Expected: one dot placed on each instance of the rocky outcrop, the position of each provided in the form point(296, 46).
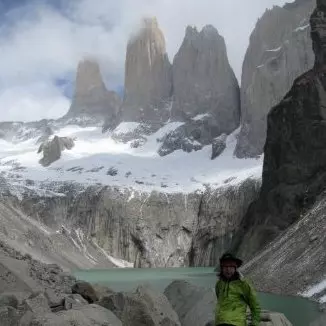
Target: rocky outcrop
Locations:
point(206, 93)
point(52, 149)
point(185, 297)
point(145, 306)
point(91, 97)
point(148, 76)
point(279, 51)
point(294, 173)
point(203, 80)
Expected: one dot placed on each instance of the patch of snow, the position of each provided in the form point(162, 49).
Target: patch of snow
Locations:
point(116, 261)
point(126, 127)
point(274, 50)
point(139, 169)
point(302, 28)
point(323, 299)
point(201, 116)
point(315, 289)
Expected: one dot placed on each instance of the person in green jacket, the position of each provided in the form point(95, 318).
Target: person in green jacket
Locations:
point(234, 295)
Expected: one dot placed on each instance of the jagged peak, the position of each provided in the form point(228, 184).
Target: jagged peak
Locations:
point(150, 23)
point(191, 32)
point(210, 31)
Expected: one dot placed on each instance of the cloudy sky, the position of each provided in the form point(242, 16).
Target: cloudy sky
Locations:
point(41, 42)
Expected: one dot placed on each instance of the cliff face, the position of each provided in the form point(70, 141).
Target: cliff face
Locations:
point(294, 173)
point(148, 76)
point(204, 82)
point(91, 98)
point(279, 51)
point(146, 229)
point(205, 92)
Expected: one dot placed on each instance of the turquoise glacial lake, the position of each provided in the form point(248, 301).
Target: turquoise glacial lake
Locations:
point(298, 310)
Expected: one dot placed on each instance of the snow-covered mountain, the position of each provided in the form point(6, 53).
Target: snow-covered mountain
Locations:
point(108, 159)
point(157, 184)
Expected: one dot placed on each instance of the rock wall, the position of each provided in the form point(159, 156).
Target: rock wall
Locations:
point(146, 229)
point(294, 171)
point(279, 51)
point(91, 97)
point(204, 82)
point(148, 76)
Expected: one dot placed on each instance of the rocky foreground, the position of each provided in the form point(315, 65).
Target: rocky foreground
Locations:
point(35, 294)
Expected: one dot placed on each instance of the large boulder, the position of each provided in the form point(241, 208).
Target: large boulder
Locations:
point(185, 299)
point(148, 75)
point(52, 149)
point(145, 306)
point(86, 290)
point(83, 316)
point(279, 51)
point(194, 305)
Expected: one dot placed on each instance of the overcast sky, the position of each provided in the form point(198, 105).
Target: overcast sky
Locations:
point(41, 43)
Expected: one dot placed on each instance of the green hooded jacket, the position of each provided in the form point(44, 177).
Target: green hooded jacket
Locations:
point(233, 298)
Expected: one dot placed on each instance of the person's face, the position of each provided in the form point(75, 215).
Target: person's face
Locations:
point(228, 269)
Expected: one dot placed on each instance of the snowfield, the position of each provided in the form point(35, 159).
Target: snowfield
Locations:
point(97, 158)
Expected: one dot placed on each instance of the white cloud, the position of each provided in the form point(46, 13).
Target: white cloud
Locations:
point(47, 47)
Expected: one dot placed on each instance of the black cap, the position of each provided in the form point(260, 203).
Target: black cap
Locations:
point(229, 256)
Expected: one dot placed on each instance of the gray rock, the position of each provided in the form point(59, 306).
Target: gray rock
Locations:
point(279, 51)
point(53, 298)
point(8, 316)
point(84, 316)
point(218, 146)
point(269, 318)
point(37, 304)
point(26, 319)
point(203, 312)
point(183, 297)
point(74, 301)
point(148, 76)
point(91, 97)
point(204, 82)
point(52, 149)
point(8, 300)
point(143, 307)
point(102, 290)
point(86, 290)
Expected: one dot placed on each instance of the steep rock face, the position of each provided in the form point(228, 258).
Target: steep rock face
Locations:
point(91, 97)
point(147, 229)
point(294, 171)
point(148, 76)
point(206, 93)
point(219, 218)
point(279, 51)
point(296, 260)
point(204, 82)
